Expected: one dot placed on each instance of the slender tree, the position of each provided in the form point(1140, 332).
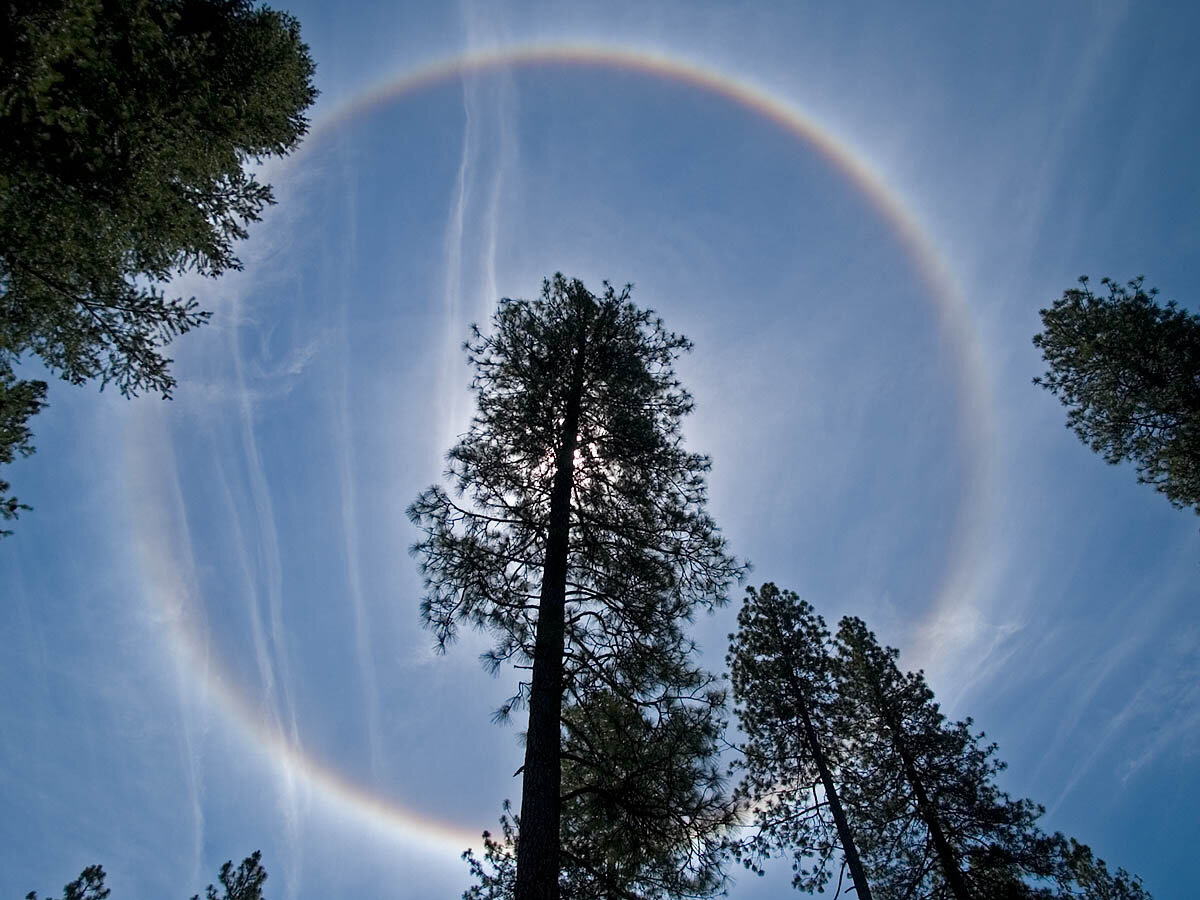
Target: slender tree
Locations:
point(1128, 371)
point(781, 671)
point(914, 794)
point(126, 127)
point(577, 530)
point(922, 792)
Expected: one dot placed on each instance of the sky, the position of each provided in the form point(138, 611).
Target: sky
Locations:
point(855, 211)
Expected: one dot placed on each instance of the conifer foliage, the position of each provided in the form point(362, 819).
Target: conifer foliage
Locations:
point(849, 759)
point(1128, 371)
point(782, 676)
point(126, 130)
point(931, 821)
point(575, 531)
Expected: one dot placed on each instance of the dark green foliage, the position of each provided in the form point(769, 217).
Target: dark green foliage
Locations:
point(126, 127)
point(244, 883)
point(496, 874)
point(642, 553)
point(782, 675)
point(1128, 371)
point(848, 755)
point(643, 803)
point(19, 401)
point(88, 886)
point(576, 532)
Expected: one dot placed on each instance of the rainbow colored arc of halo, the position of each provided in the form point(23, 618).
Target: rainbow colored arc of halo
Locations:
point(170, 594)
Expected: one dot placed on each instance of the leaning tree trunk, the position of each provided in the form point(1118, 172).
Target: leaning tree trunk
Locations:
point(541, 785)
point(929, 814)
point(849, 848)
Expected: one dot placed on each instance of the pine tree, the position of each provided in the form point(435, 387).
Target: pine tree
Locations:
point(922, 791)
point(1128, 371)
point(577, 531)
point(126, 127)
point(780, 668)
point(644, 809)
point(917, 793)
point(1080, 874)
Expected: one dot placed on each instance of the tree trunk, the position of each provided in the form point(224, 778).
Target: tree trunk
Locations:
point(849, 848)
point(541, 785)
point(946, 856)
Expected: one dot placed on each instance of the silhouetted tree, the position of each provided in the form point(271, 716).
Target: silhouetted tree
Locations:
point(125, 131)
point(1128, 371)
point(921, 792)
point(781, 671)
point(243, 883)
point(578, 533)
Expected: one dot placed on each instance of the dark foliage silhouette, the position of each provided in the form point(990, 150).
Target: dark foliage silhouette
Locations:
point(126, 129)
point(576, 532)
point(1128, 370)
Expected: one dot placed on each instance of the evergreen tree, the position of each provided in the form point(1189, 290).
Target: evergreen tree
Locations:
point(243, 883)
point(780, 667)
point(125, 130)
point(1128, 371)
point(577, 531)
point(921, 791)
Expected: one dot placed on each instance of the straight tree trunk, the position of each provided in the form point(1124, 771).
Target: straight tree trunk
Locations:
point(541, 784)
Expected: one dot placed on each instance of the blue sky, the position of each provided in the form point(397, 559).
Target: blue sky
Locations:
point(210, 618)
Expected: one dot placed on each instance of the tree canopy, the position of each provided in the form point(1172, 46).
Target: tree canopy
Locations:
point(1128, 371)
point(576, 533)
point(643, 806)
point(127, 130)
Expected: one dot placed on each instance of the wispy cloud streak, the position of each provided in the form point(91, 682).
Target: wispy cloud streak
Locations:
point(270, 643)
point(348, 484)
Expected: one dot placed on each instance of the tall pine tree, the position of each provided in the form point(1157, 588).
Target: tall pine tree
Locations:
point(781, 671)
point(843, 748)
point(930, 818)
point(576, 530)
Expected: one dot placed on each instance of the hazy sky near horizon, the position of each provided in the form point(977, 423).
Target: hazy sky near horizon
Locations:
point(855, 211)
